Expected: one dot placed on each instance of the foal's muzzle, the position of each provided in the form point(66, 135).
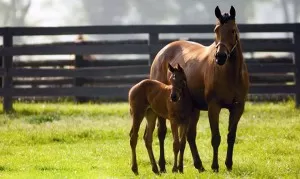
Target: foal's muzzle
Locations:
point(221, 58)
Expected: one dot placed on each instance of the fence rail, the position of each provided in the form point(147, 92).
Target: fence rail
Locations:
point(112, 78)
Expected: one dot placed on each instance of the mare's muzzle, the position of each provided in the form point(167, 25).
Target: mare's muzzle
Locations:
point(221, 58)
point(174, 97)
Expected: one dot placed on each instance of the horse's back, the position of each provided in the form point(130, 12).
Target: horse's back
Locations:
point(175, 52)
point(144, 89)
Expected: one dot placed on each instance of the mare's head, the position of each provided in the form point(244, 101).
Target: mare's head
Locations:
point(226, 37)
point(178, 81)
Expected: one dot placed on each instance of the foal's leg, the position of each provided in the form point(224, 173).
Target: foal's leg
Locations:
point(182, 141)
point(235, 114)
point(213, 115)
point(136, 122)
point(176, 145)
point(191, 137)
point(161, 132)
point(148, 138)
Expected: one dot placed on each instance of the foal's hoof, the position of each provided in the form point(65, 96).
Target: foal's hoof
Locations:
point(163, 170)
point(215, 167)
point(180, 168)
point(216, 170)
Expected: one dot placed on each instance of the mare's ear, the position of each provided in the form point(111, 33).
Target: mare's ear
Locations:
point(171, 68)
point(218, 12)
point(179, 67)
point(232, 12)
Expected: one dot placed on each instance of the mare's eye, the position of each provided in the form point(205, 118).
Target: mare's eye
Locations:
point(233, 31)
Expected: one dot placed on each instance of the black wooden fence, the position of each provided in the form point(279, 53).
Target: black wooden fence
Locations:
point(113, 78)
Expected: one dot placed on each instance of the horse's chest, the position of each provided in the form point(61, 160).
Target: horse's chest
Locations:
point(179, 113)
point(228, 93)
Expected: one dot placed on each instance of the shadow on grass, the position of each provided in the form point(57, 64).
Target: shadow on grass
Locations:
point(3, 168)
point(42, 118)
point(50, 168)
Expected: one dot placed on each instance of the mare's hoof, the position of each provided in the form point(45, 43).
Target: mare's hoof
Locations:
point(201, 169)
point(155, 170)
point(229, 169)
point(135, 170)
point(162, 166)
point(228, 165)
point(175, 170)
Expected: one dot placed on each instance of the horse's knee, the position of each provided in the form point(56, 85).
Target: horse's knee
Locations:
point(231, 138)
point(176, 146)
point(133, 140)
point(148, 141)
point(216, 140)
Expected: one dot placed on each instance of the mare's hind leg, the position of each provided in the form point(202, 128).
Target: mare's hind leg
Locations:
point(137, 118)
point(235, 114)
point(191, 137)
point(148, 137)
point(161, 132)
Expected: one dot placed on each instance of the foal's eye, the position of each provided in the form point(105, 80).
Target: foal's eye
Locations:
point(233, 31)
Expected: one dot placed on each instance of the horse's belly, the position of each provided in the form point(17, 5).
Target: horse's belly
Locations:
point(199, 99)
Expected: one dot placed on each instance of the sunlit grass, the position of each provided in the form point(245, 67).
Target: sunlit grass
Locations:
point(65, 140)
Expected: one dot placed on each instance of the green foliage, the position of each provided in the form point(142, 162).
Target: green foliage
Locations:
point(92, 141)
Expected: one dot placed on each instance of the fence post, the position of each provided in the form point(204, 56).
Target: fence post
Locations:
point(153, 40)
point(297, 62)
point(7, 62)
point(78, 81)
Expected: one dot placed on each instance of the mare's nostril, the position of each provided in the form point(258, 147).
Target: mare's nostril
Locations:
point(173, 97)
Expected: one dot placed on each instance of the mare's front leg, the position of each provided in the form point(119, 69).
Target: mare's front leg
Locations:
point(176, 145)
point(235, 114)
point(148, 138)
point(161, 132)
point(182, 141)
point(213, 115)
point(191, 137)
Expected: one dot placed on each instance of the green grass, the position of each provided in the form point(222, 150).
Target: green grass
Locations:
point(65, 140)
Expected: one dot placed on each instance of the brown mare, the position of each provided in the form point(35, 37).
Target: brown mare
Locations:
point(217, 77)
point(152, 98)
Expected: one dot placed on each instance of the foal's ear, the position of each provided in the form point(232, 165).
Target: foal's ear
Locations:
point(232, 12)
point(218, 12)
point(179, 67)
point(171, 68)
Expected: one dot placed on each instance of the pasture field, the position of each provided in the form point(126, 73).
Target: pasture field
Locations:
point(65, 140)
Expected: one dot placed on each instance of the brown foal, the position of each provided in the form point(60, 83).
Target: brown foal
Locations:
point(150, 99)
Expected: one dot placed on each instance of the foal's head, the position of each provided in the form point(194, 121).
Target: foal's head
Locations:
point(178, 81)
point(225, 35)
